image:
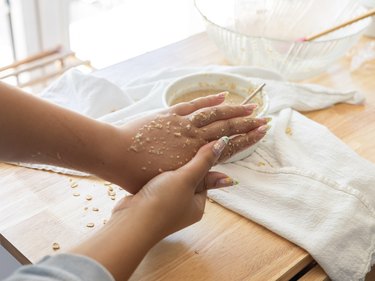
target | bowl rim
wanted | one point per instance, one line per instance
(266, 100)
(281, 40)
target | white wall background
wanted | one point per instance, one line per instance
(103, 31)
(130, 28)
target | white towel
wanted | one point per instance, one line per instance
(305, 185)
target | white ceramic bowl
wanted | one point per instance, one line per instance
(220, 82)
(265, 33)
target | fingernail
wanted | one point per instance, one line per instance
(226, 182)
(264, 128)
(250, 107)
(220, 145)
(268, 119)
(223, 95)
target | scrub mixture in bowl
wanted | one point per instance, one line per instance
(231, 98)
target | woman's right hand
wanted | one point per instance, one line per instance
(176, 199)
(167, 203)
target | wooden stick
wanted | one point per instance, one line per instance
(50, 60)
(32, 58)
(369, 13)
(256, 91)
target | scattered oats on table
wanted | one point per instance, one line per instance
(76, 194)
(113, 197)
(90, 225)
(74, 185)
(111, 193)
(55, 246)
(88, 197)
(95, 209)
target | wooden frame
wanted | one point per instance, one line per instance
(48, 64)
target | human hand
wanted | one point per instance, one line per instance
(169, 139)
(166, 204)
(176, 199)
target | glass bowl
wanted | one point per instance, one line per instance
(265, 33)
(219, 82)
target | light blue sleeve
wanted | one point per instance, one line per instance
(62, 267)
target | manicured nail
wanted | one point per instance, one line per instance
(226, 182)
(222, 95)
(250, 107)
(264, 128)
(220, 145)
(267, 119)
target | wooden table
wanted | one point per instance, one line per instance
(38, 208)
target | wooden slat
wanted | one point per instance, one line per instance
(371, 275)
(37, 64)
(315, 274)
(32, 58)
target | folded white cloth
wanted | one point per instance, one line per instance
(309, 187)
(303, 184)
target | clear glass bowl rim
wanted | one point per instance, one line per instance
(280, 40)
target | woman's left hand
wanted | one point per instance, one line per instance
(169, 139)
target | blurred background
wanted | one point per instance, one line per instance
(105, 31)
(91, 33)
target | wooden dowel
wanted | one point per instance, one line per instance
(369, 13)
(37, 65)
(32, 58)
(253, 94)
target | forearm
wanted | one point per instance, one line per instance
(122, 244)
(35, 131)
